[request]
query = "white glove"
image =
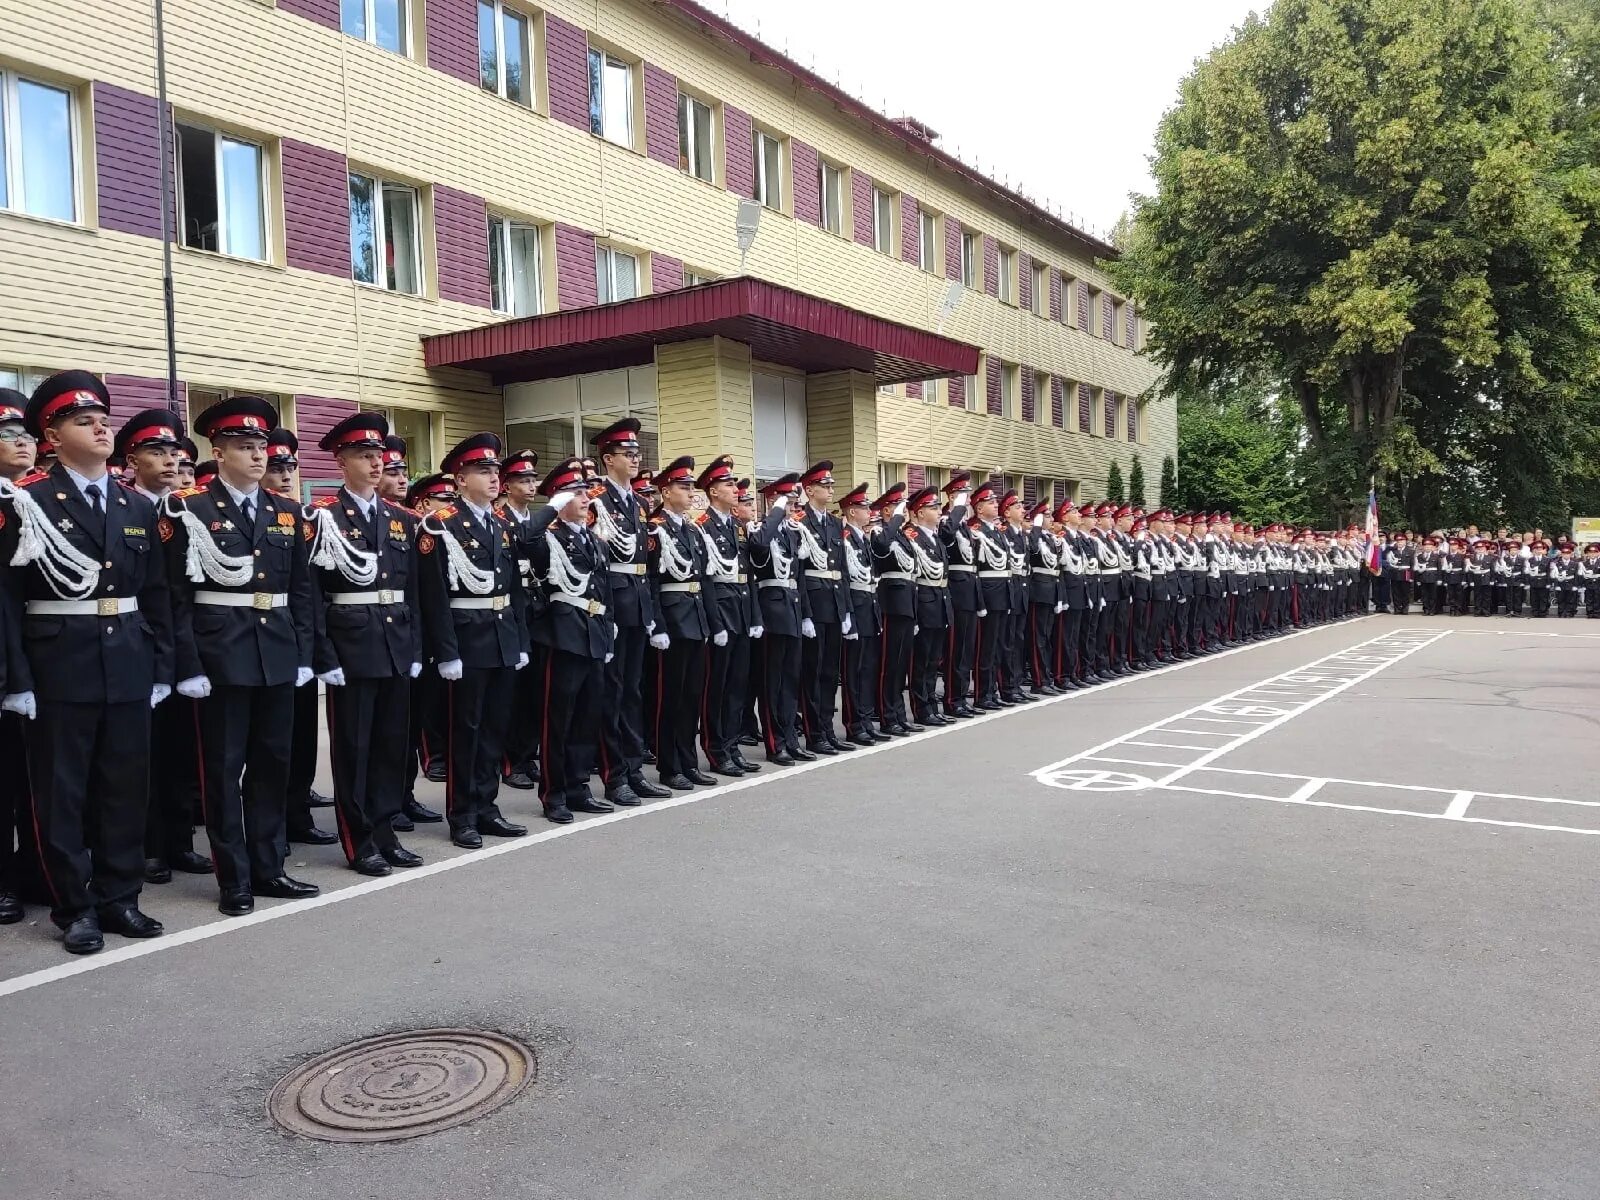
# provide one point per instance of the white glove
(660, 641)
(899, 510)
(159, 692)
(807, 629)
(983, 612)
(416, 669)
(846, 625)
(1102, 602)
(561, 499)
(756, 631)
(1060, 608)
(916, 629)
(609, 657)
(852, 637)
(720, 638)
(960, 500)
(21, 703)
(522, 661)
(303, 676)
(450, 670)
(1038, 521)
(197, 687)
(333, 678)
(781, 502)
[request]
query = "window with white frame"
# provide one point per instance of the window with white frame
(928, 241)
(22, 379)
(769, 170)
(1041, 290)
(1008, 391)
(1008, 276)
(611, 97)
(1041, 398)
(969, 258)
(221, 193)
(694, 276)
(516, 267)
(930, 391)
(695, 138)
(831, 180)
(505, 52)
(616, 274)
(384, 23)
(971, 391)
(385, 234)
(38, 149)
(882, 221)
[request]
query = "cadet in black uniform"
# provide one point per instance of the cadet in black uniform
(1399, 568)
(395, 481)
(19, 858)
(785, 611)
(472, 610)
(369, 643)
(728, 590)
(965, 599)
(829, 619)
(519, 484)
(859, 676)
(243, 617)
(993, 559)
(1536, 570)
(895, 565)
(933, 615)
(1565, 580)
(429, 726)
(1045, 589)
(93, 655)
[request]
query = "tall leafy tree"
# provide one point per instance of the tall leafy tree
(1240, 450)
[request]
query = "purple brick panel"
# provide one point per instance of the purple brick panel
(952, 248)
(991, 265)
(660, 115)
(956, 394)
(461, 223)
(1130, 327)
(575, 279)
(807, 183)
(1030, 490)
(131, 394)
(323, 12)
(452, 37)
(1111, 414)
(314, 416)
(1083, 306)
(1058, 494)
(666, 273)
(1058, 408)
(910, 228)
(861, 203)
(566, 50)
(316, 208)
(1085, 409)
(914, 391)
(1028, 406)
(1024, 280)
(995, 405)
(916, 476)
(128, 161)
(1055, 294)
(739, 151)
(1108, 317)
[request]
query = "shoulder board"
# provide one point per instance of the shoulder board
(445, 513)
(32, 477)
(703, 517)
(658, 519)
(121, 482)
(325, 502)
(187, 492)
(399, 507)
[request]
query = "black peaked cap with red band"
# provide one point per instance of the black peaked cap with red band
(927, 497)
(644, 484)
(1008, 500)
(363, 431)
(565, 476)
(282, 443)
(856, 497)
(64, 392)
(190, 452)
(819, 474)
(149, 427)
(394, 453)
(469, 452)
(679, 470)
(958, 481)
(431, 487)
(620, 436)
(895, 494)
(13, 406)
(237, 416)
(984, 491)
(1040, 509)
(746, 496)
(524, 464)
(205, 472)
(720, 470)
(781, 487)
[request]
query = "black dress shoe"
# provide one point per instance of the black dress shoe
(989, 705)
(647, 790)
(313, 837)
(623, 796)
(677, 783)
(588, 804)
(559, 814)
(127, 920)
(934, 720)
(749, 739)
(399, 856)
(371, 864)
(863, 739)
(648, 757)
(965, 711)
(157, 871)
(699, 778)
(878, 735)
(743, 763)
(401, 823)
(726, 768)
(888, 731)
(841, 746)
(520, 780)
(83, 936)
(418, 812)
(818, 746)
(317, 800)
(500, 827)
(11, 910)
(236, 904)
(435, 771)
(191, 863)
(467, 839)
(282, 887)
(780, 759)
(802, 754)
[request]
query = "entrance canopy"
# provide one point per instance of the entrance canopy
(779, 325)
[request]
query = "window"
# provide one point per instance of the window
(221, 187)
(384, 23)
(1008, 390)
(504, 52)
(1111, 414)
(1086, 319)
(970, 392)
(1008, 276)
(694, 138)
(930, 391)
(769, 170)
(414, 426)
(1041, 290)
(832, 191)
(1133, 419)
(611, 98)
(516, 272)
(928, 242)
(1041, 398)
(694, 276)
(616, 274)
(203, 397)
(1069, 298)
(385, 247)
(882, 221)
(969, 259)
(22, 379)
(38, 149)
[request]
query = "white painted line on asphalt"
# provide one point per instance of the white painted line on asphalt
(1458, 805)
(217, 928)
(1526, 633)
(1305, 791)
(1167, 745)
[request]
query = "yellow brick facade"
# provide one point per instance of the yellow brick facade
(84, 296)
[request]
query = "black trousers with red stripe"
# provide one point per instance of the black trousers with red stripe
(960, 656)
(1069, 631)
(725, 697)
(1041, 643)
(780, 694)
(20, 875)
(859, 682)
(894, 668)
(927, 662)
(681, 682)
(819, 675)
(570, 733)
(368, 724)
(626, 717)
(245, 741)
(302, 759)
(527, 697)
(174, 778)
(478, 707)
(991, 644)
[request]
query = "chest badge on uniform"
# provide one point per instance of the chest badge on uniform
(66, 524)
(425, 544)
(285, 518)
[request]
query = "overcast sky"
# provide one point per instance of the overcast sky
(1092, 78)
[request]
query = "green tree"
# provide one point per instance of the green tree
(1136, 482)
(1391, 208)
(1114, 482)
(1169, 482)
(1240, 451)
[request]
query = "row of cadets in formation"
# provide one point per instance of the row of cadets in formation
(1484, 577)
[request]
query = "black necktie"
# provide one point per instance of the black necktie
(249, 510)
(93, 492)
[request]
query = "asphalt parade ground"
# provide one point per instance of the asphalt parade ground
(1314, 918)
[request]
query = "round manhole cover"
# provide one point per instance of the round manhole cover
(401, 1085)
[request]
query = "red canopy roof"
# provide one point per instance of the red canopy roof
(779, 325)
